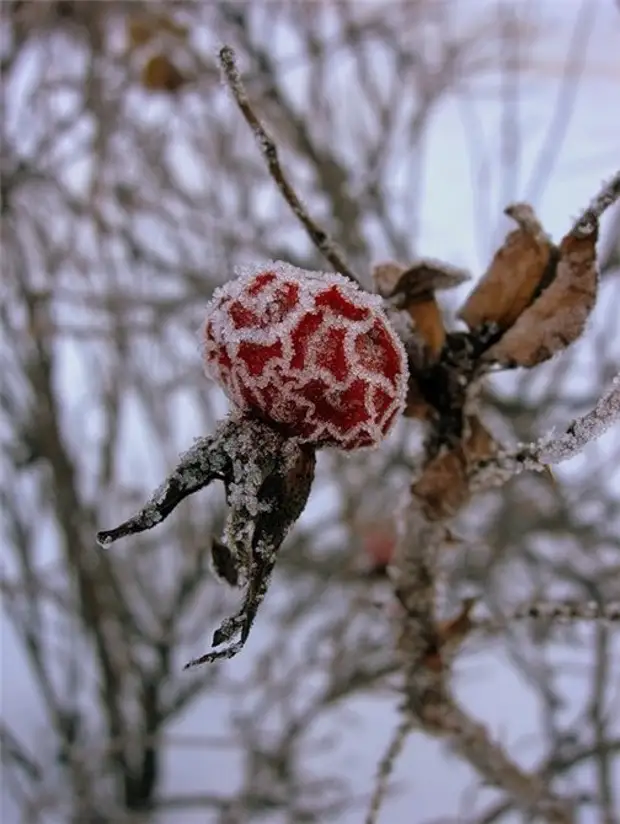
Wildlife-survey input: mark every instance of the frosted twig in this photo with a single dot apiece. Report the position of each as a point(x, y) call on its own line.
point(565, 611)
point(549, 450)
point(326, 246)
point(428, 701)
point(582, 430)
point(608, 195)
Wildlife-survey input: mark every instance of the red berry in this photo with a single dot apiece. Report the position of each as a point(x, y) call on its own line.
point(309, 351)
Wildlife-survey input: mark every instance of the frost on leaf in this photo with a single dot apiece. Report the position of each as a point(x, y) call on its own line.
point(267, 478)
point(516, 274)
point(559, 315)
point(443, 487)
point(309, 352)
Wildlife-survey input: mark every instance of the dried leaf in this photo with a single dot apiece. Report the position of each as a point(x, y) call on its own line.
point(161, 75)
point(385, 277)
point(425, 276)
point(428, 321)
point(515, 274)
point(140, 31)
point(559, 315)
point(444, 486)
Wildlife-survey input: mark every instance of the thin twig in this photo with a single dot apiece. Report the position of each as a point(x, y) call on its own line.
point(326, 246)
point(550, 450)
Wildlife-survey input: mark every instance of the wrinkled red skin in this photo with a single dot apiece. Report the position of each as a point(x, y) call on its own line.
point(319, 379)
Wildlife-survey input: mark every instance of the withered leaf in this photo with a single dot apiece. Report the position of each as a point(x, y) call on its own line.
point(443, 487)
point(385, 276)
point(413, 289)
point(515, 273)
point(161, 75)
point(559, 315)
point(429, 324)
point(139, 31)
point(425, 276)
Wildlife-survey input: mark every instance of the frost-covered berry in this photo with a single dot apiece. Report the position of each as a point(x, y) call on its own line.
point(309, 351)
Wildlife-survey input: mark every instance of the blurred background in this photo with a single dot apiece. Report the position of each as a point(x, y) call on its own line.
point(130, 188)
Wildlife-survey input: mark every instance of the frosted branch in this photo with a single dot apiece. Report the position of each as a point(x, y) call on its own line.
point(549, 449)
point(426, 690)
point(582, 430)
point(556, 612)
point(607, 196)
point(326, 246)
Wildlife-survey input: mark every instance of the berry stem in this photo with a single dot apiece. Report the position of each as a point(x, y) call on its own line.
point(326, 246)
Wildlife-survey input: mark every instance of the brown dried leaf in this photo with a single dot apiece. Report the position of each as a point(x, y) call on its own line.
point(425, 276)
point(140, 31)
point(386, 276)
point(429, 324)
point(161, 75)
point(412, 282)
point(515, 273)
point(559, 315)
point(444, 486)
point(413, 290)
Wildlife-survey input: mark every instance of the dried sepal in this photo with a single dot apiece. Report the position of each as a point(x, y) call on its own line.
point(267, 477)
point(517, 271)
point(443, 487)
point(428, 319)
point(413, 282)
point(558, 317)
point(413, 289)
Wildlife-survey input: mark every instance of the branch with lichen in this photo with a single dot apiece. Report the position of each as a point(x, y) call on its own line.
point(269, 150)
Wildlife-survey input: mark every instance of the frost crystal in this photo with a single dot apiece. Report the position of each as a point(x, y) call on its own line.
point(308, 351)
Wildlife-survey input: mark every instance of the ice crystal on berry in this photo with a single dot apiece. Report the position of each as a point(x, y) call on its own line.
point(308, 351)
